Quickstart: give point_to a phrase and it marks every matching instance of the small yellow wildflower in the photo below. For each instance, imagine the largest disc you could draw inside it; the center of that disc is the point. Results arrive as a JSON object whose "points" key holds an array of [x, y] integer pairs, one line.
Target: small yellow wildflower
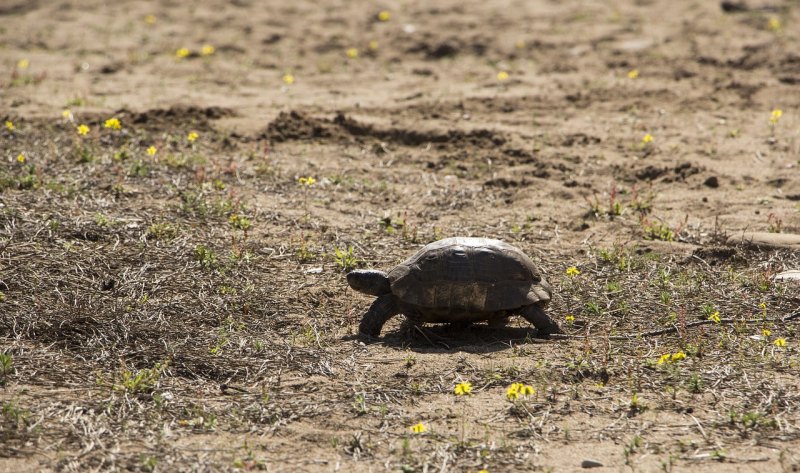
{"points": [[462, 389], [288, 79], [572, 271], [775, 117], [384, 15], [373, 45], [779, 342], [765, 332], [665, 358], [502, 75], [570, 319], [112, 123], [714, 317], [774, 25], [10, 125], [648, 138], [192, 136], [23, 63], [633, 74], [518, 389], [419, 428], [512, 393], [678, 356], [306, 181], [66, 114], [151, 151], [207, 50], [150, 19], [352, 53], [21, 158], [520, 44], [182, 53], [83, 130], [483, 471]]}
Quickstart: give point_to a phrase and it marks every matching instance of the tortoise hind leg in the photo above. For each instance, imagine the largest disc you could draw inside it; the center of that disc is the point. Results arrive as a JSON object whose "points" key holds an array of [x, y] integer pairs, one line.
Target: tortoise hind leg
{"points": [[383, 309], [537, 316]]}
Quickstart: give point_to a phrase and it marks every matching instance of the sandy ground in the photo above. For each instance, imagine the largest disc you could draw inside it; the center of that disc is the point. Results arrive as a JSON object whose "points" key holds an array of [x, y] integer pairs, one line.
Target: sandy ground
{"points": [[620, 138]]}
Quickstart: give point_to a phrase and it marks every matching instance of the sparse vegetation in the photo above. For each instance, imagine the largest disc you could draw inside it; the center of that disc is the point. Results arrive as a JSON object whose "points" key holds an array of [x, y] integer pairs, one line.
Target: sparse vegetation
{"points": [[173, 247]]}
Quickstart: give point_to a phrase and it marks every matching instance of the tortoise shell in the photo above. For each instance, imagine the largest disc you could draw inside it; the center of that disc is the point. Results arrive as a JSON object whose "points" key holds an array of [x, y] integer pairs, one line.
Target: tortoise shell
{"points": [[470, 275]]}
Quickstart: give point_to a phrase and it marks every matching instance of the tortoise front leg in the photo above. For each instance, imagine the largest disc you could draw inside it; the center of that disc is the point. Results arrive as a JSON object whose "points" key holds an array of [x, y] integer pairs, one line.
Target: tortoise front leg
{"points": [[383, 309], [536, 315]]}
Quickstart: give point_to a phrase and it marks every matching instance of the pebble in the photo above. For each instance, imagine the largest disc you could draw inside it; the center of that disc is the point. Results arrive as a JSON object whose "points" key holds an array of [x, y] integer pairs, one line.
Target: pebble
{"points": [[590, 464]]}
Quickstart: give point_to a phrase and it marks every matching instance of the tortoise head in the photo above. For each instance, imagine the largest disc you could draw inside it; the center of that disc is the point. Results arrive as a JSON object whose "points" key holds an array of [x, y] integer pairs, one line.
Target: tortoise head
{"points": [[369, 281]]}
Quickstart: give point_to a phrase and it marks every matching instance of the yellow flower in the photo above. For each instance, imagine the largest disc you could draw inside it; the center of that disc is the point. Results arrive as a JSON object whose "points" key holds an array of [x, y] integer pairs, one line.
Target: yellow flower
{"points": [[678, 356], [352, 53], [714, 317], [520, 44], [83, 129], [112, 123], [483, 471], [207, 50], [502, 75], [779, 342], [462, 389], [527, 390], [10, 125], [66, 114], [151, 151], [192, 136], [570, 318], [373, 45], [288, 79], [21, 158], [765, 332], [572, 271], [306, 181], [150, 19], [665, 358], [775, 117], [633, 74], [23, 63], [648, 138], [182, 53], [512, 393], [384, 15], [419, 428], [774, 24]]}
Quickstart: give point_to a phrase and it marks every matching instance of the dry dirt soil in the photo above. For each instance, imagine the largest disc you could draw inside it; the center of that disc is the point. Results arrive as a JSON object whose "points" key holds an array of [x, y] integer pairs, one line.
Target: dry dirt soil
{"points": [[185, 308]]}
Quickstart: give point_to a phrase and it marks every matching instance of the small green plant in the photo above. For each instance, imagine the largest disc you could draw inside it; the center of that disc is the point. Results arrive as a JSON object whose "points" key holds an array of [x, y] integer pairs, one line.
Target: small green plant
{"points": [[6, 363], [345, 259], [16, 415], [636, 404], [206, 256], [304, 253], [139, 381], [695, 384], [655, 230], [239, 222], [104, 221], [594, 309], [162, 231], [138, 169], [632, 447], [360, 404]]}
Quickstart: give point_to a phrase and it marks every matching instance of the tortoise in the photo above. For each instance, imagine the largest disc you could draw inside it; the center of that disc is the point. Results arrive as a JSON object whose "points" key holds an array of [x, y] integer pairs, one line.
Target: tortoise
{"points": [[457, 280]]}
